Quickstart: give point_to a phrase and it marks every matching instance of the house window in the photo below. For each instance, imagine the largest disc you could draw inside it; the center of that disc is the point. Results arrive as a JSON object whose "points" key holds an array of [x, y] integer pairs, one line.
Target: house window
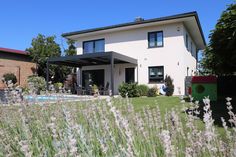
{"points": [[155, 39], [186, 41], [156, 74], [94, 46]]}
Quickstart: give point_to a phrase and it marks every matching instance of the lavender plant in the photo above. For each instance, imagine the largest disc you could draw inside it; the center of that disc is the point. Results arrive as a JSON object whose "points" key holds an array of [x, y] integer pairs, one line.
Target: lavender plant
{"points": [[112, 128]]}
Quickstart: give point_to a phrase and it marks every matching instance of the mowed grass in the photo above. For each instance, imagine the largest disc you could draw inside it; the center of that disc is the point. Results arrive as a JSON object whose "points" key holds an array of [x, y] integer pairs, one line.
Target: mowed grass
{"points": [[166, 104]]}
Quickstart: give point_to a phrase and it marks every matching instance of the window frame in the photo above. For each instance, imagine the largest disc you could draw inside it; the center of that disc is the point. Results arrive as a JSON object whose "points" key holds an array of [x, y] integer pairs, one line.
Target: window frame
{"points": [[93, 41], [156, 45], [156, 82]]}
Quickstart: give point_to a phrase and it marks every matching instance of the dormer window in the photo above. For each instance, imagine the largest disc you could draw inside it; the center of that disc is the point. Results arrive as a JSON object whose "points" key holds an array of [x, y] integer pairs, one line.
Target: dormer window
{"points": [[155, 39], [94, 46]]}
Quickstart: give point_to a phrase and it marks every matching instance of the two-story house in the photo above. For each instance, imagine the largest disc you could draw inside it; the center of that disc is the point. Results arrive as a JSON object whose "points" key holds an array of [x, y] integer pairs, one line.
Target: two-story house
{"points": [[142, 51]]}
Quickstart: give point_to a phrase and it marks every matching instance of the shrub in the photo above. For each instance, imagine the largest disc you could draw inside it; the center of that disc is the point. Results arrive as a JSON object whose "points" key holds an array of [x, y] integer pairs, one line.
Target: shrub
{"points": [[58, 86], [37, 83], [95, 88], [10, 76], [152, 92], [186, 98], [128, 88], [142, 89], [25, 90], [169, 85]]}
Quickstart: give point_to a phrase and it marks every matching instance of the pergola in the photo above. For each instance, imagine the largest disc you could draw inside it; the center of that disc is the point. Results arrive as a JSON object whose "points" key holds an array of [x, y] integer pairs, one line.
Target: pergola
{"points": [[101, 58]]}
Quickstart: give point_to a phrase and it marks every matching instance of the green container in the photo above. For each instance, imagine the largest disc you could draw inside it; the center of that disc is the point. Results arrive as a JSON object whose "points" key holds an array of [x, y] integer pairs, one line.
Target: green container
{"points": [[203, 86], [201, 90]]}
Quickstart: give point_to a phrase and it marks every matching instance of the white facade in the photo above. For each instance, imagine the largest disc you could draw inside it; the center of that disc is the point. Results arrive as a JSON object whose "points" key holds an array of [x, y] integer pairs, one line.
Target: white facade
{"points": [[178, 62]]}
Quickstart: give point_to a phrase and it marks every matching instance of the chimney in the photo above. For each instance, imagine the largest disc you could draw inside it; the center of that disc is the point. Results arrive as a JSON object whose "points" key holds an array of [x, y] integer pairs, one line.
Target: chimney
{"points": [[138, 19]]}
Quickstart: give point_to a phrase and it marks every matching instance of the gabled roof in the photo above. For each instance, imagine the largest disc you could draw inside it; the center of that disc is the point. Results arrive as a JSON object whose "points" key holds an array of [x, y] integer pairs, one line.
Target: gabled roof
{"points": [[141, 23], [7, 50]]}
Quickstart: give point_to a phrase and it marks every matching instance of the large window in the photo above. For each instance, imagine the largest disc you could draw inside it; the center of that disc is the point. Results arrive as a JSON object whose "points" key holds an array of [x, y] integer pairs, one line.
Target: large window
{"points": [[94, 46], [155, 39], [156, 74]]}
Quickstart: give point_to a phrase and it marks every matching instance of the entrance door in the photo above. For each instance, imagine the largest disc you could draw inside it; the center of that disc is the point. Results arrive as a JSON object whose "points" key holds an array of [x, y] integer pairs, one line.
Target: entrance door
{"points": [[93, 77], [129, 75]]}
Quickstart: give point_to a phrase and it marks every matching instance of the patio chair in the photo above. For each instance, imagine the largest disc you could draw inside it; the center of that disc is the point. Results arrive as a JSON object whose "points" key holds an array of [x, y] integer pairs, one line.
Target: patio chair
{"points": [[80, 90], [104, 90], [89, 90]]}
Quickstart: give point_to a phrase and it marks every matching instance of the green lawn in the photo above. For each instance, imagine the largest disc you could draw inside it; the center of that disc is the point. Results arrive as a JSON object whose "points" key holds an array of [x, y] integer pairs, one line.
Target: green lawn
{"points": [[168, 103], [164, 103]]}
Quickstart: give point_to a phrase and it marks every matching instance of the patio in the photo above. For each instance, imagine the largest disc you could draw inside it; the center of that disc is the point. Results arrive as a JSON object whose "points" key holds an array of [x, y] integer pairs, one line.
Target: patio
{"points": [[102, 58]]}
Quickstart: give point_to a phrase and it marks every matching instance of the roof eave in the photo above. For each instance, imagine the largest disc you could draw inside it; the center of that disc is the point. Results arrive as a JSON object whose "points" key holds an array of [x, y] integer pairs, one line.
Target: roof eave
{"points": [[200, 28], [130, 24], [178, 16], [14, 51]]}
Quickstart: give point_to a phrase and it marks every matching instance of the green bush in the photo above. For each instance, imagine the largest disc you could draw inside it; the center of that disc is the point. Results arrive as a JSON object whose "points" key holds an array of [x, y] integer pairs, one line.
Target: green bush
{"points": [[95, 88], [10, 76], [169, 85], [186, 98], [58, 86], [128, 88], [152, 92], [26, 90], [142, 89], [37, 82]]}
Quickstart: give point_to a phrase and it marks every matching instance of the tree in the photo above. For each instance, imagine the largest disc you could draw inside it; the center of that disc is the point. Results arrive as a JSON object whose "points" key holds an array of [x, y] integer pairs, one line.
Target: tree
{"points": [[71, 48], [41, 49], [10, 77], [169, 85], [220, 55]]}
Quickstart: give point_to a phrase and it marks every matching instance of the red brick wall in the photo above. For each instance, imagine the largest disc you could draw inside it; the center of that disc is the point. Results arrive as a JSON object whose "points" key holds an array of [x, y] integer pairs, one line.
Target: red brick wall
{"points": [[18, 65]]}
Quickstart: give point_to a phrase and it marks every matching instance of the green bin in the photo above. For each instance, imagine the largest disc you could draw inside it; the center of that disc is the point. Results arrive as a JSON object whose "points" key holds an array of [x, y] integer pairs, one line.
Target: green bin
{"points": [[203, 86]]}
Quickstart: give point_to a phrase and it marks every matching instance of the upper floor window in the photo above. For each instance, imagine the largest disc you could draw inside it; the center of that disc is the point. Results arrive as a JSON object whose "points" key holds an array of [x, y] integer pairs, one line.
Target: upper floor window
{"points": [[156, 74], [94, 46], [155, 39], [186, 41]]}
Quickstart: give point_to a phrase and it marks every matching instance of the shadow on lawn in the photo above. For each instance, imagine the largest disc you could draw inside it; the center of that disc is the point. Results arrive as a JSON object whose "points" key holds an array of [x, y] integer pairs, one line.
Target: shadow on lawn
{"points": [[219, 109]]}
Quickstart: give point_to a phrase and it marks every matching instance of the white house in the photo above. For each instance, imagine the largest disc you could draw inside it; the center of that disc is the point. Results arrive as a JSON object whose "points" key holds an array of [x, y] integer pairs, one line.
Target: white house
{"points": [[142, 51]]}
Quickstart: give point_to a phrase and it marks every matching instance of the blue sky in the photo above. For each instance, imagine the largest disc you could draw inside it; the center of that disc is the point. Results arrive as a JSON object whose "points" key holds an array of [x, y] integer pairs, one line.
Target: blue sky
{"points": [[21, 20]]}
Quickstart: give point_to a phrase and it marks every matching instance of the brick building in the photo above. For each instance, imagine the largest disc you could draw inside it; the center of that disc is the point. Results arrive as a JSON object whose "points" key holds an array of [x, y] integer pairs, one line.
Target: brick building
{"points": [[17, 62]]}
